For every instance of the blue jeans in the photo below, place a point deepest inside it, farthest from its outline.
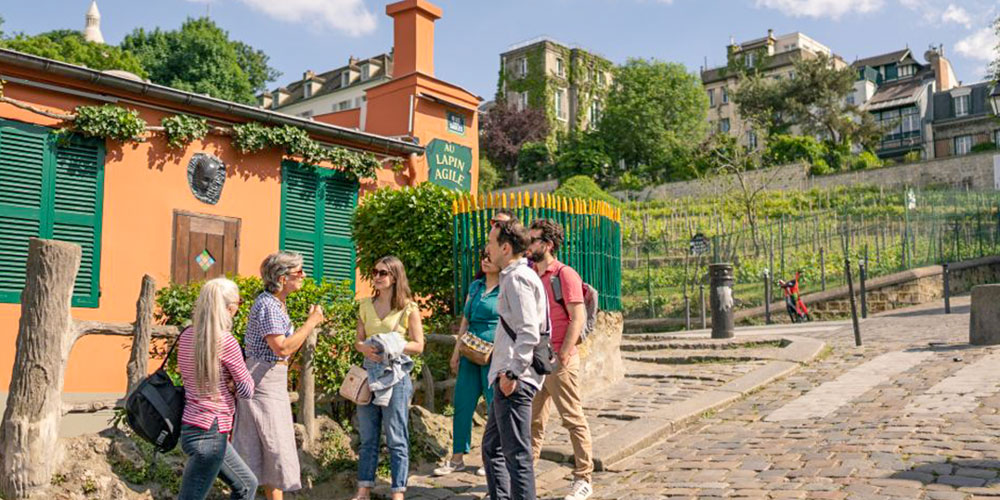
(394, 421)
(507, 457)
(209, 456)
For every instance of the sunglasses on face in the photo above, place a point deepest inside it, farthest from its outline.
(381, 273)
(297, 274)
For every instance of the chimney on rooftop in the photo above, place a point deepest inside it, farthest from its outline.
(413, 36)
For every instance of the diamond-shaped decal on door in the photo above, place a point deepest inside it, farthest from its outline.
(204, 260)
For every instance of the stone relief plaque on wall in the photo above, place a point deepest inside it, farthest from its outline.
(206, 176)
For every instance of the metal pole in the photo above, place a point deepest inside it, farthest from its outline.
(767, 297)
(701, 299)
(822, 269)
(946, 275)
(862, 275)
(687, 312)
(854, 307)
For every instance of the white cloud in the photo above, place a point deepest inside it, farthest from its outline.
(980, 45)
(347, 16)
(957, 15)
(834, 9)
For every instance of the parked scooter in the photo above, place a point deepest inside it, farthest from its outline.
(797, 309)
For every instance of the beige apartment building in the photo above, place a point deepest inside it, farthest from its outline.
(569, 83)
(777, 53)
(339, 89)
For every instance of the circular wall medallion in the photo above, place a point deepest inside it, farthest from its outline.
(206, 175)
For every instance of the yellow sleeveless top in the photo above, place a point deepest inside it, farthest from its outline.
(375, 326)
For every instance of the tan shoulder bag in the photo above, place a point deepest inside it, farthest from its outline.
(355, 386)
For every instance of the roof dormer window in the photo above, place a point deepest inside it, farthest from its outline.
(365, 72)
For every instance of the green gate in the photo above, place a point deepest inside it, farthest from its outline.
(592, 246)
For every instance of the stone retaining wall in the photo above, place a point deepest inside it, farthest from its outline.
(973, 171)
(601, 356)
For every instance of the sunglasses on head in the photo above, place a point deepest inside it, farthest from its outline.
(381, 273)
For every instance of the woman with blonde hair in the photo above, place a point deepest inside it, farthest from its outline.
(389, 327)
(264, 435)
(212, 368)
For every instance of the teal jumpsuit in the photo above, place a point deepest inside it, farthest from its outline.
(481, 313)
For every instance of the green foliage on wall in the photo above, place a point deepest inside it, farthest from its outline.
(252, 136)
(182, 129)
(109, 121)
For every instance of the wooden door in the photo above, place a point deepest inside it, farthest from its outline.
(205, 247)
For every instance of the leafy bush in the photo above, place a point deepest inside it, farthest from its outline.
(984, 146)
(335, 349)
(785, 149)
(820, 167)
(865, 161)
(489, 178)
(912, 157)
(535, 162)
(583, 187)
(414, 224)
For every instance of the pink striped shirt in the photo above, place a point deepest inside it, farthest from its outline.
(200, 410)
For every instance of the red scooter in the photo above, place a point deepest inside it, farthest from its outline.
(797, 309)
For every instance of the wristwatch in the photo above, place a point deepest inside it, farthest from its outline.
(510, 375)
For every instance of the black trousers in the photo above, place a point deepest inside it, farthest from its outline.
(510, 473)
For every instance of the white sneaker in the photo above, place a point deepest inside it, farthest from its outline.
(581, 491)
(481, 472)
(448, 468)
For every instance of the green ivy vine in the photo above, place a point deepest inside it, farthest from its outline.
(110, 121)
(253, 136)
(182, 129)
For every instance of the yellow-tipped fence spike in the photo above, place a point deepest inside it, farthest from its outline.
(454, 207)
(520, 199)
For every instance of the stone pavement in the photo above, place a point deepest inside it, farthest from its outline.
(924, 427)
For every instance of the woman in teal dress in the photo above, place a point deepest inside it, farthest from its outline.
(479, 318)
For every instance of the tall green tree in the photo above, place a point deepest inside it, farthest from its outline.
(504, 130)
(69, 46)
(200, 57)
(655, 114)
(814, 101)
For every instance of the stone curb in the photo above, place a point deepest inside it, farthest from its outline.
(643, 432)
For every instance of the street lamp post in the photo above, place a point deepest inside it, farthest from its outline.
(995, 99)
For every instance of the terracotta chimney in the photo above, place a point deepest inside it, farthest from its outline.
(943, 72)
(413, 36)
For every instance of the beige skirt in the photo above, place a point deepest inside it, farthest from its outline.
(263, 434)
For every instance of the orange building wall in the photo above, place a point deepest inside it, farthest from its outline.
(143, 184)
(350, 118)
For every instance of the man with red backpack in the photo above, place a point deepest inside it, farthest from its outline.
(568, 316)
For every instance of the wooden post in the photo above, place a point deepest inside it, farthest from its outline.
(137, 369)
(428, 388)
(29, 432)
(307, 390)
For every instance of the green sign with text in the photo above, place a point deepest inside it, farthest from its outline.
(450, 164)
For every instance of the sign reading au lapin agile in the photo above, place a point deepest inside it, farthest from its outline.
(450, 164)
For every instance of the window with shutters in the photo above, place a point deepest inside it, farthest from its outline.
(50, 187)
(316, 209)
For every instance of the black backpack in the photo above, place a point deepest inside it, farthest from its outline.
(155, 407)
(543, 359)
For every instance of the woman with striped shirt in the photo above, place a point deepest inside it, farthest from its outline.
(212, 368)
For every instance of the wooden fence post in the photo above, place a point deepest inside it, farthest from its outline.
(137, 368)
(307, 390)
(29, 432)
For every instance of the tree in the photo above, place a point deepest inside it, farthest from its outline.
(814, 101)
(995, 65)
(534, 162)
(656, 112)
(585, 154)
(505, 129)
(489, 178)
(200, 57)
(69, 46)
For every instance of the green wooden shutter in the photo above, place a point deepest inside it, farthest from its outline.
(22, 178)
(316, 209)
(77, 207)
(298, 213)
(341, 197)
(50, 187)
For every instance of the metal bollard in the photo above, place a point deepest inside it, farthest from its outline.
(862, 276)
(701, 300)
(722, 300)
(767, 297)
(946, 275)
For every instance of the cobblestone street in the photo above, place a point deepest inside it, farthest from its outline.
(912, 414)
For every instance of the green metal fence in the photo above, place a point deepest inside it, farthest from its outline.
(592, 246)
(663, 277)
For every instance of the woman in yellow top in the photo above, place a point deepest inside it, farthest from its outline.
(390, 309)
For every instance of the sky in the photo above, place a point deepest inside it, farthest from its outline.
(319, 35)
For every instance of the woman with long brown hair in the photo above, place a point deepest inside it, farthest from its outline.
(388, 320)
